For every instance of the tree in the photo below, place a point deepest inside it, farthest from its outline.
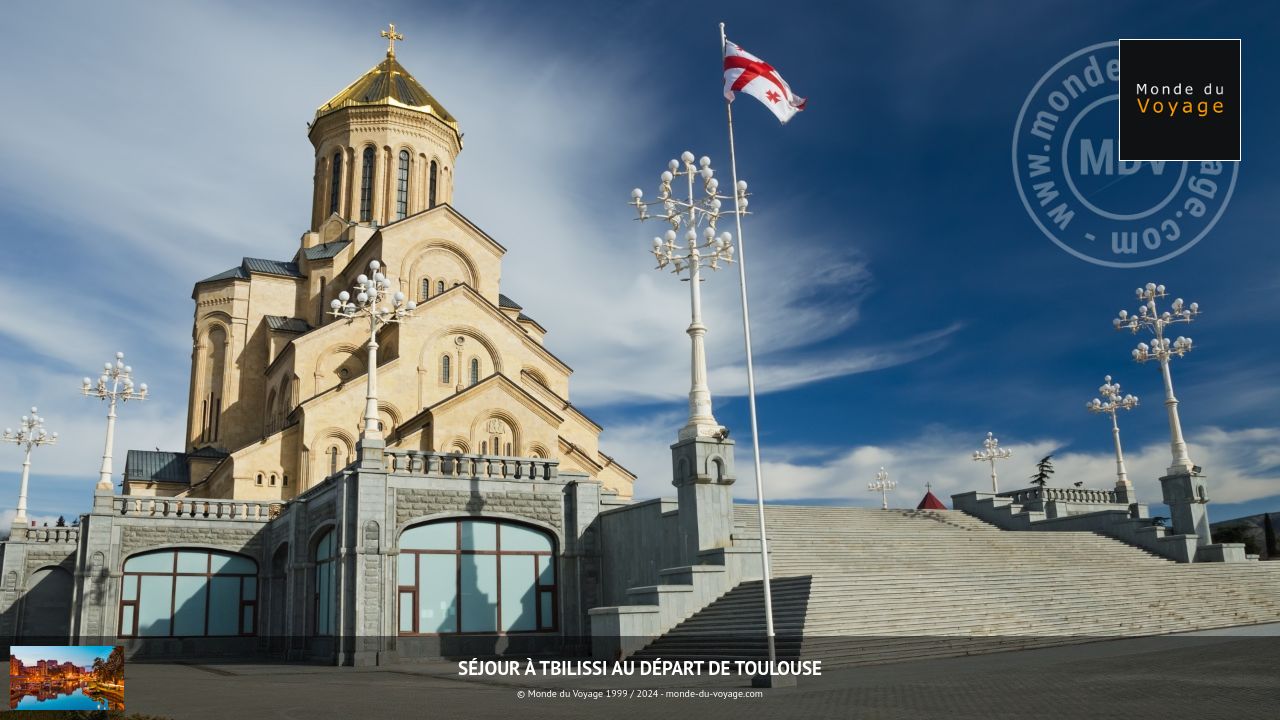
(1269, 533)
(1044, 469)
(62, 522)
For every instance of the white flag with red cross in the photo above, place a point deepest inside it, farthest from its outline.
(744, 72)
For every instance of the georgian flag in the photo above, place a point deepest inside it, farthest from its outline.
(744, 72)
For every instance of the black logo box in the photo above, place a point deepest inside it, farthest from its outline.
(1186, 69)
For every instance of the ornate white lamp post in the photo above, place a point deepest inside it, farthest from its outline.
(883, 485)
(371, 295)
(30, 433)
(991, 452)
(703, 247)
(1111, 403)
(1160, 349)
(115, 383)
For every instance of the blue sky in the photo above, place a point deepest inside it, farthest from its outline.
(80, 655)
(904, 302)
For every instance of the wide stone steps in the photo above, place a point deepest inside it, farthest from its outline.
(855, 586)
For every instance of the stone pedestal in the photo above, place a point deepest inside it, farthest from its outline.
(702, 468)
(1187, 496)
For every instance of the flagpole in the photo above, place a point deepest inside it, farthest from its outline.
(751, 382)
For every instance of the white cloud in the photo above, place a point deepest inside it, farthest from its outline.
(1241, 465)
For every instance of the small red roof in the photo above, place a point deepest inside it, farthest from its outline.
(931, 502)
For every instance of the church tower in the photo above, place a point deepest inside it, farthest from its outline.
(279, 385)
(385, 148)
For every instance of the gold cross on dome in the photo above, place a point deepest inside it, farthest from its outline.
(392, 36)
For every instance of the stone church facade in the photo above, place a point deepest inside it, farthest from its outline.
(484, 520)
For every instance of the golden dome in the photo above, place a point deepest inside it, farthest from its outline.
(388, 83)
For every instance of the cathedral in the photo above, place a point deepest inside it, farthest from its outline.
(278, 384)
(478, 517)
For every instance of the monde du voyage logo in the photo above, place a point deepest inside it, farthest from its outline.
(1141, 210)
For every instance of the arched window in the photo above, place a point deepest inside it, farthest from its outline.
(425, 293)
(284, 481)
(259, 479)
(333, 459)
(431, 185)
(402, 186)
(509, 453)
(366, 186)
(323, 559)
(273, 479)
(439, 286)
(215, 362)
(336, 182)
(444, 369)
(475, 371)
(476, 576)
(484, 447)
(188, 593)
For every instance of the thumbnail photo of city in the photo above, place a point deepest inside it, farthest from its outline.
(66, 677)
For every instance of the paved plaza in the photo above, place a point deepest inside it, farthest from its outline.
(1207, 675)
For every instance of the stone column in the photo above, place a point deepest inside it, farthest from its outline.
(1187, 497)
(703, 475)
(373, 568)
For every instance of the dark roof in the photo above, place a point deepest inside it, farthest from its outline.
(156, 466)
(506, 302)
(256, 265)
(323, 251)
(207, 451)
(271, 267)
(235, 273)
(287, 324)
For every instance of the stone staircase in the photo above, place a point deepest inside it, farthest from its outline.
(861, 586)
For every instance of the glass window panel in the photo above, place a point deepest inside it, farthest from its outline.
(479, 592)
(224, 605)
(150, 562)
(126, 620)
(436, 536)
(548, 611)
(193, 562)
(250, 588)
(519, 537)
(324, 588)
(234, 564)
(246, 622)
(154, 601)
(324, 548)
(189, 597)
(438, 593)
(546, 570)
(479, 535)
(404, 568)
(406, 612)
(519, 603)
(130, 587)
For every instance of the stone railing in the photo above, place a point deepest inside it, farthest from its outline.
(167, 507)
(484, 467)
(1083, 496)
(69, 535)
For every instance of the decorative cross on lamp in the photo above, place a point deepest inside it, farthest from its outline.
(703, 247)
(372, 291)
(991, 452)
(392, 36)
(883, 485)
(30, 433)
(1110, 403)
(1160, 349)
(115, 383)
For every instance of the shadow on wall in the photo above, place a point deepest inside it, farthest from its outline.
(46, 606)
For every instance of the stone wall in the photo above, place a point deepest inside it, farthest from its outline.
(142, 536)
(541, 506)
